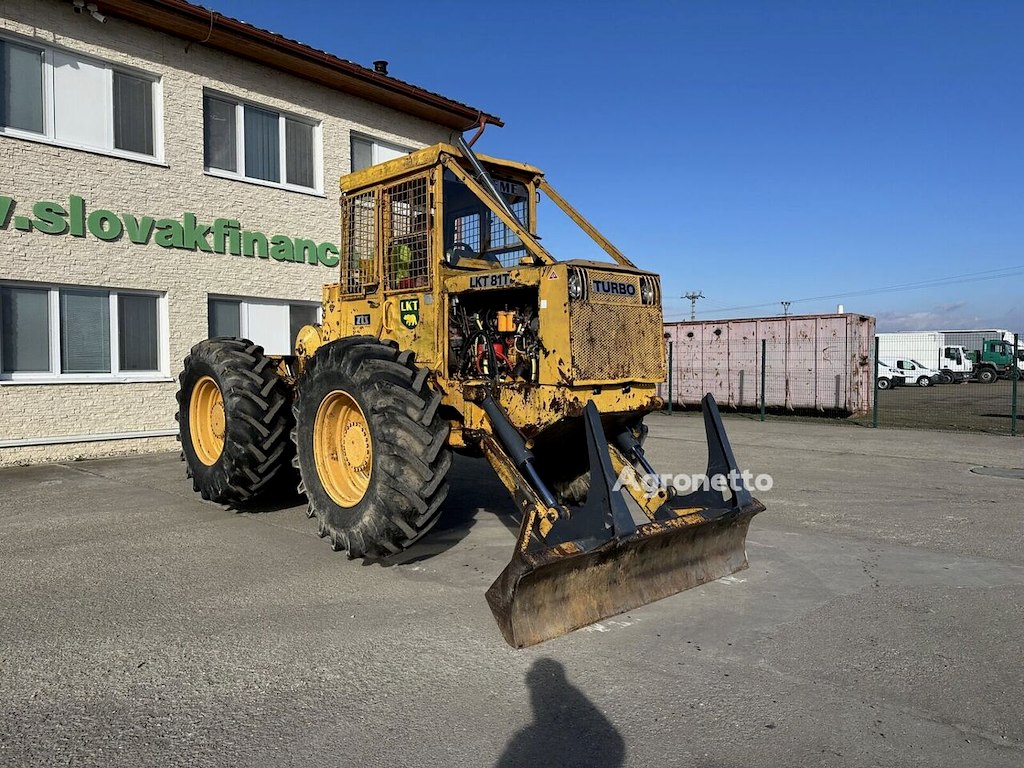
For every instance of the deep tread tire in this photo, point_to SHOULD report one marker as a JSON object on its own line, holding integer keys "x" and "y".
{"x": 257, "y": 452}
{"x": 410, "y": 454}
{"x": 573, "y": 491}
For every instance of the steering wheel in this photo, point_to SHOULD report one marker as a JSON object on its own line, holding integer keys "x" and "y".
{"x": 459, "y": 251}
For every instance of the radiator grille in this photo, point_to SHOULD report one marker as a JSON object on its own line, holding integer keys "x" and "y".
{"x": 614, "y": 336}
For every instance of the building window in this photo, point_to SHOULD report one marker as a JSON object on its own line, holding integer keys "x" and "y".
{"x": 59, "y": 96}
{"x": 250, "y": 142}
{"x": 21, "y": 105}
{"x": 224, "y": 318}
{"x": 25, "y": 330}
{"x": 133, "y": 113}
{"x": 271, "y": 324}
{"x": 367, "y": 152}
{"x": 84, "y": 331}
{"x": 138, "y": 332}
{"x": 60, "y": 333}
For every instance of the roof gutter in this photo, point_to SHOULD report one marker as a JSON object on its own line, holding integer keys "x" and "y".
{"x": 202, "y": 25}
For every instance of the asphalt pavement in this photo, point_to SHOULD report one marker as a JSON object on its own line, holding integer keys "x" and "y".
{"x": 880, "y": 624}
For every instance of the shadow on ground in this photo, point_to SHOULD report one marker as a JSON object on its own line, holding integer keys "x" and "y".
{"x": 567, "y": 729}
{"x": 275, "y": 501}
{"x": 474, "y": 489}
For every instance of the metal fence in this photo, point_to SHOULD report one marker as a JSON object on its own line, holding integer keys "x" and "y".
{"x": 959, "y": 388}
{"x": 831, "y": 371}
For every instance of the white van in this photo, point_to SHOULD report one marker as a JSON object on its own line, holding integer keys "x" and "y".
{"x": 889, "y": 378}
{"x": 916, "y": 373}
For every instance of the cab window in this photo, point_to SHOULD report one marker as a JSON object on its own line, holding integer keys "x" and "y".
{"x": 471, "y": 230}
{"x": 407, "y": 222}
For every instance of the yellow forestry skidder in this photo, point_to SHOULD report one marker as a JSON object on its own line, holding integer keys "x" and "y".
{"x": 452, "y": 329}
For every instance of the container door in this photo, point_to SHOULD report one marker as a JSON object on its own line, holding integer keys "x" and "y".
{"x": 803, "y": 362}
{"x": 777, "y": 384}
{"x": 744, "y": 364}
{"x": 716, "y": 361}
{"x": 688, "y": 382}
{"x": 831, "y": 383}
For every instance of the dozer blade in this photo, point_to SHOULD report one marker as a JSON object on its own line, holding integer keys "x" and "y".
{"x": 599, "y": 563}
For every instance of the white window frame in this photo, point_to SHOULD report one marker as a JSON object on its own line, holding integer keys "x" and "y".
{"x": 282, "y": 115}
{"x": 49, "y": 106}
{"x": 55, "y": 376}
{"x": 375, "y": 144}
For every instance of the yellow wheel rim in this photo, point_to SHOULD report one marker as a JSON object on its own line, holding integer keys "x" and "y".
{"x": 206, "y": 422}
{"x": 342, "y": 448}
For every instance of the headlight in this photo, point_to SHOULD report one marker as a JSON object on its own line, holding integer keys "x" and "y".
{"x": 575, "y": 286}
{"x": 646, "y": 291}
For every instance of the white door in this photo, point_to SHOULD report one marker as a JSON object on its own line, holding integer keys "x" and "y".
{"x": 267, "y": 324}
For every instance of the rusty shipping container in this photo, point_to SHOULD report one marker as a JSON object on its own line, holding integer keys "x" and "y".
{"x": 819, "y": 363}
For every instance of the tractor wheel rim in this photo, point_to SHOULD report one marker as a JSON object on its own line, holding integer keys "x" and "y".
{"x": 206, "y": 420}
{"x": 342, "y": 448}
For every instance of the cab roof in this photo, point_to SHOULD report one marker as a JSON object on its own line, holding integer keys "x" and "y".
{"x": 422, "y": 159}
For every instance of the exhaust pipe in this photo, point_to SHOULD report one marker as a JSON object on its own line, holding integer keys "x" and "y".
{"x": 480, "y": 174}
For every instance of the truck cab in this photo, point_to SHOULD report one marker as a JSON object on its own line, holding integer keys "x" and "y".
{"x": 997, "y": 359}
{"x": 956, "y": 365}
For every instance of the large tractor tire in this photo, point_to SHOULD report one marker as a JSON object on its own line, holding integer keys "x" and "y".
{"x": 371, "y": 449}
{"x": 233, "y": 421}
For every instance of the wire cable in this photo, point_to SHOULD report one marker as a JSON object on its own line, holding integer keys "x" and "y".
{"x": 968, "y": 277}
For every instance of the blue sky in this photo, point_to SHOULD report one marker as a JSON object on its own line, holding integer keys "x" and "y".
{"x": 755, "y": 151}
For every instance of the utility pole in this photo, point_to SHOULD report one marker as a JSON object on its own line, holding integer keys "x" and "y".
{"x": 693, "y": 302}
{"x": 785, "y": 308}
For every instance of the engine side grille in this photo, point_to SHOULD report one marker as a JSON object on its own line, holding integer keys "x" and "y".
{"x": 614, "y": 336}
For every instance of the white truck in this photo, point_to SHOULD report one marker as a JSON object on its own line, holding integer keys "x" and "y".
{"x": 927, "y": 350}
{"x": 992, "y": 350}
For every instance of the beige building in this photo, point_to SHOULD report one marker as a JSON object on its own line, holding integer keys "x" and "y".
{"x": 156, "y": 187}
